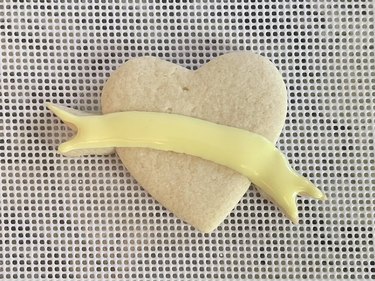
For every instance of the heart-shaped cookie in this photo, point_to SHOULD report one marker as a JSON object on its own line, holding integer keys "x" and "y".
{"x": 242, "y": 90}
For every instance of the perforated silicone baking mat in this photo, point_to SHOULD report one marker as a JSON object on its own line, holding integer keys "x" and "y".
{"x": 87, "y": 218}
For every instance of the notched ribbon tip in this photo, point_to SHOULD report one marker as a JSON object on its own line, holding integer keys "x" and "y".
{"x": 72, "y": 118}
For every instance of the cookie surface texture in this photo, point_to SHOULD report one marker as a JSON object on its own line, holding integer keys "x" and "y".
{"x": 241, "y": 89}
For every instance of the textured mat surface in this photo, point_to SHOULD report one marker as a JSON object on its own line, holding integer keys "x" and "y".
{"x": 87, "y": 219}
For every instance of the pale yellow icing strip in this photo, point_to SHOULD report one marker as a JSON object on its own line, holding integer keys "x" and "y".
{"x": 248, "y": 153}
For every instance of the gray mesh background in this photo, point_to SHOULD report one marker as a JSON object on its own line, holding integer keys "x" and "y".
{"x": 88, "y": 219}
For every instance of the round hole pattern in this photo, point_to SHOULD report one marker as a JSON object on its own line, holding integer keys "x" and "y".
{"x": 88, "y": 219}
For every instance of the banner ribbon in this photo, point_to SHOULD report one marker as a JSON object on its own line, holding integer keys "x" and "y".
{"x": 249, "y": 154}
